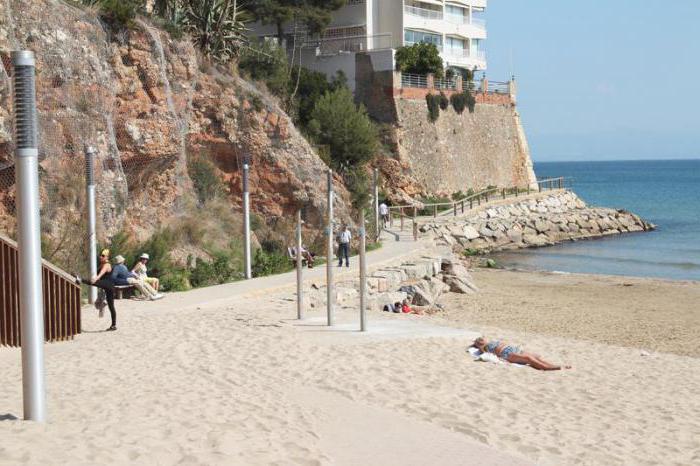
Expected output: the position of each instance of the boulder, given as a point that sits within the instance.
(542, 226)
(420, 297)
(470, 232)
(515, 235)
(460, 284)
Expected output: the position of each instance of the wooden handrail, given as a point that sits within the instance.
(61, 296)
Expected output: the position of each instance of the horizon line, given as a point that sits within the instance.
(618, 160)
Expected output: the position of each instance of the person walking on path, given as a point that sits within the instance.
(103, 280)
(344, 238)
(384, 214)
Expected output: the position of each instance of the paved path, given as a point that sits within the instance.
(397, 245)
(391, 252)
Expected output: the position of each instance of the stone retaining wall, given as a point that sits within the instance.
(551, 219)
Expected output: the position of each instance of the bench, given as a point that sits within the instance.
(293, 257)
(120, 289)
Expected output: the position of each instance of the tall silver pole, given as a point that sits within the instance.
(300, 290)
(246, 222)
(29, 240)
(363, 273)
(375, 193)
(329, 252)
(90, 195)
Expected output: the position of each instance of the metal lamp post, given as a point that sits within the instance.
(90, 196)
(28, 238)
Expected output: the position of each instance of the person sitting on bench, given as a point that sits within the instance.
(141, 271)
(307, 255)
(122, 277)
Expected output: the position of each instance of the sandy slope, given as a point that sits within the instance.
(243, 383)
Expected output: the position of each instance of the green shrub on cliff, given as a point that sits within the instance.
(463, 100)
(345, 127)
(206, 181)
(117, 13)
(433, 102)
(444, 102)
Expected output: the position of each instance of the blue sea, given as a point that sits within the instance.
(666, 193)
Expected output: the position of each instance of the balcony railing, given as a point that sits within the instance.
(498, 87)
(478, 22)
(414, 80)
(457, 52)
(336, 45)
(423, 12)
(444, 83)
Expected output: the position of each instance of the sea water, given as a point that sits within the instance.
(666, 193)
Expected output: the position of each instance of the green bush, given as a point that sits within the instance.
(206, 181)
(444, 102)
(357, 182)
(463, 100)
(117, 13)
(267, 63)
(312, 86)
(337, 122)
(419, 58)
(269, 263)
(219, 270)
(433, 102)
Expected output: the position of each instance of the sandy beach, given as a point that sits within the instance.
(240, 381)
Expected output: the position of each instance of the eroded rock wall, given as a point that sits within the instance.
(458, 152)
(148, 104)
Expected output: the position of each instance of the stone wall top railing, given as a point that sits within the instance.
(415, 86)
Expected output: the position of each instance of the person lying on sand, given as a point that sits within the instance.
(514, 354)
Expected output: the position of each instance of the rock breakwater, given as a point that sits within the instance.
(533, 222)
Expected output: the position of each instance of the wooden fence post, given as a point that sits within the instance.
(401, 213)
(435, 211)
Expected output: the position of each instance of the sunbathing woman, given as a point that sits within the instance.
(515, 355)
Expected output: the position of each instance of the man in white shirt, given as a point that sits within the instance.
(344, 238)
(384, 213)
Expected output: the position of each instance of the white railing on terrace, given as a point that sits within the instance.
(480, 55)
(498, 87)
(336, 45)
(414, 80)
(422, 12)
(444, 83)
(456, 19)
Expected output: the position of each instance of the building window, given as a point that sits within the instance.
(411, 37)
(456, 14)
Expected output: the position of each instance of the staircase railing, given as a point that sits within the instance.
(61, 299)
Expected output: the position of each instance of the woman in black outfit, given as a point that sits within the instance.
(103, 280)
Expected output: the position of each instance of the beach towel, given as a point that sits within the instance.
(478, 355)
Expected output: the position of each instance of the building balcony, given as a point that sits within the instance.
(422, 18)
(423, 12)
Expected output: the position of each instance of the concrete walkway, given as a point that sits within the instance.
(391, 252)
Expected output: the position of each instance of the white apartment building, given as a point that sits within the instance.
(378, 27)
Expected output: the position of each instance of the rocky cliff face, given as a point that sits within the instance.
(149, 105)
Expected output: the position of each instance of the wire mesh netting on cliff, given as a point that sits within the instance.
(76, 98)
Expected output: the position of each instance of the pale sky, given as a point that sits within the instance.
(602, 79)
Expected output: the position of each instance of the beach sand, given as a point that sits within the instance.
(241, 382)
